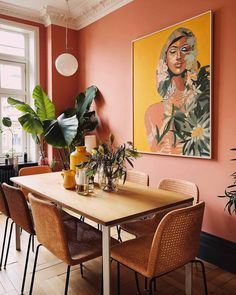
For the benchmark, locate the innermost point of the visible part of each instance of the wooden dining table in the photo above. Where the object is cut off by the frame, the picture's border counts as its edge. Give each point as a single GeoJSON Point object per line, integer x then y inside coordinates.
{"type": "Point", "coordinates": [106, 208]}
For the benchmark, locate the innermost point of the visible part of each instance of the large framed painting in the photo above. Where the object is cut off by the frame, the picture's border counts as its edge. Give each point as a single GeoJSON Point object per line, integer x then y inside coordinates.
{"type": "Point", "coordinates": [172, 89]}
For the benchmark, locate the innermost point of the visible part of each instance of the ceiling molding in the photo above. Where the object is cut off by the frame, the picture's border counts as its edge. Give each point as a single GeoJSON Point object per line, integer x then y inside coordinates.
{"type": "Point", "coordinates": [51, 15]}
{"type": "Point", "coordinates": [96, 11]}
{"type": "Point", "coordinates": [81, 16]}
{"type": "Point", "coordinates": [20, 12]}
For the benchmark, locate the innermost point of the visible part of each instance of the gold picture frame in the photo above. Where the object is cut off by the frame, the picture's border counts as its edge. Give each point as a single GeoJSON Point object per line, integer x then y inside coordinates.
{"type": "Point", "coordinates": [172, 89]}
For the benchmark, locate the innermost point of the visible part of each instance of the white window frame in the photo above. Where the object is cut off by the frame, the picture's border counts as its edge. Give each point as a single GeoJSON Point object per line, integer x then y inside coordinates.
{"type": "Point", "coordinates": [31, 61]}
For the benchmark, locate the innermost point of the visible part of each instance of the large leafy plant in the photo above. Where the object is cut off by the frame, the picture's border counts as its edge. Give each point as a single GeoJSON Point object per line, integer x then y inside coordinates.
{"type": "Point", "coordinates": [62, 132]}
{"type": "Point", "coordinates": [230, 193]}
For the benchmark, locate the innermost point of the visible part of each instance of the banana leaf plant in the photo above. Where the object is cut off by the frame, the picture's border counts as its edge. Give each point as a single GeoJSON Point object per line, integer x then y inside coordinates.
{"type": "Point", "coordinates": [230, 193]}
{"type": "Point", "coordinates": [62, 132]}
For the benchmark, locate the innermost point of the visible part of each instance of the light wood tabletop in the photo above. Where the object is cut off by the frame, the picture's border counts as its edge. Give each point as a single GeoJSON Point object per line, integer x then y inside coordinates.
{"type": "Point", "coordinates": [131, 201]}
{"type": "Point", "coordinates": [107, 208]}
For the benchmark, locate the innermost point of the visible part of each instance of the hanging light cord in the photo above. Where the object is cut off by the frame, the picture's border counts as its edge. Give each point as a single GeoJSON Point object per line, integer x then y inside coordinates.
{"type": "Point", "coordinates": [67, 16]}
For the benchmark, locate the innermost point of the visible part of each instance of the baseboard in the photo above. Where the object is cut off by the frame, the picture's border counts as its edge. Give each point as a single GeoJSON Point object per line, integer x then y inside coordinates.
{"type": "Point", "coordinates": [218, 251]}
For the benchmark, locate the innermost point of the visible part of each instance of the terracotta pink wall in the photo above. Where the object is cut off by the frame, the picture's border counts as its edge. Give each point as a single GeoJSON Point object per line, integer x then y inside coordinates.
{"type": "Point", "coordinates": [105, 60]}
{"type": "Point", "coordinates": [62, 90]}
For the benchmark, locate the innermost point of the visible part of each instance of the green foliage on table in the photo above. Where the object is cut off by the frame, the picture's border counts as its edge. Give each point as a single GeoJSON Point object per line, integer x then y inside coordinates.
{"type": "Point", "coordinates": [111, 158]}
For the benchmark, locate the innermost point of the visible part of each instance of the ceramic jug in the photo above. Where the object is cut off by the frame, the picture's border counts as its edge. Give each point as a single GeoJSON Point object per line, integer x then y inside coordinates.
{"type": "Point", "coordinates": [68, 179]}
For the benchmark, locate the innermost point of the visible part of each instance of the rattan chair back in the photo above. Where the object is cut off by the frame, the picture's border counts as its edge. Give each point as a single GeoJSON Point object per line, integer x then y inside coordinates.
{"type": "Point", "coordinates": [137, 177]}
{"type": "Point", "coordinates": [180, 186]}
{"type": "Point", "coordinates": [176, 240]}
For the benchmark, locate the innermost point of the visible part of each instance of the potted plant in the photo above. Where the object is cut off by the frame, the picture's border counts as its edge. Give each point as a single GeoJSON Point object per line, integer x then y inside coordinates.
{"type": "Point", "coordinates": [110, 162]}
{"type": "Point", "coordinates": [230, 193]}
{"type": "Point", "coordinates": [63, 132]}
{"type": "Point", "coordinates": [6, 121]}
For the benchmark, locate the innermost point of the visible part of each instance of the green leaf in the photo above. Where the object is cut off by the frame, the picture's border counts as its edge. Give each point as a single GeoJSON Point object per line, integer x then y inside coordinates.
{"type": "Point", "coordinates": [6, 121]}
{"type": "Point", "coordinates": [84, 100]}
{"type": "Point", "coordinates": [61, 132]}
{"type": "Point", "coordinates": [31, 124]}
{"type": "Point", "coordinates": [45, 109]}
{"type": "Point", "coordinates": [21, 106]}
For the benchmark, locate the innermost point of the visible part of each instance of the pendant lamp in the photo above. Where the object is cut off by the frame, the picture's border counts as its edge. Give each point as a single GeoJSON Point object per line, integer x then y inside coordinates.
{"type": "Point", "coordinates": [66, 64]}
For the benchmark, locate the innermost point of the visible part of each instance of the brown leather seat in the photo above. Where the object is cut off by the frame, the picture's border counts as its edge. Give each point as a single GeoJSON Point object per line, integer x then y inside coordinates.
{"type": "Point", "coordinates": [148, 226]}
{"type": "Point", "coordinates": [4, 209]}
{"type": "Point", "coordinates": [72, 241]}
{"type": "Point", "coordinates": [20, 214]}
{"type": "Point", "coordinates": [38, 170]}
{"type": "Point", "coordinates": [33, 170]}
{"type": "Point", "coordinates": [174, 244]}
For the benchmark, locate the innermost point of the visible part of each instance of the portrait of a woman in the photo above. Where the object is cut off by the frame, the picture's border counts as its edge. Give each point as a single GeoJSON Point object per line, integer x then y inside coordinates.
{"type": "Point", "coordinates": [180, 123]}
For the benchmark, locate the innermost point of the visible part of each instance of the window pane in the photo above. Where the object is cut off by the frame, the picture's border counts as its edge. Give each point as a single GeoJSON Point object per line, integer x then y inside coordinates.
{"type": "Point", "coordinates": [11, 76]}
{"type": "Point", "coordinates": [17, 133]}
{"type": "Point", "coordinates": [12, 43]}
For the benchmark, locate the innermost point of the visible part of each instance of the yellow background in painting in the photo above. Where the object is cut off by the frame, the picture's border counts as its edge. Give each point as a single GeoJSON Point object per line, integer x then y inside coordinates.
{"type": "Point", "coordinates": [146, 54]}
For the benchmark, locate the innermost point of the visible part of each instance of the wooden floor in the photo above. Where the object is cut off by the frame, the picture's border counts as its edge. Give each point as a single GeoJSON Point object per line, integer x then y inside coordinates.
{"type": "Point", "coordinates": [50, 276]}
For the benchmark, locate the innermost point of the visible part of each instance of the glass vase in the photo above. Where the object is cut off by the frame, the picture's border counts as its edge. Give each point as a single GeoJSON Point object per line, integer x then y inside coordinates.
{"type": "Point", "coordinates": [108, 183]}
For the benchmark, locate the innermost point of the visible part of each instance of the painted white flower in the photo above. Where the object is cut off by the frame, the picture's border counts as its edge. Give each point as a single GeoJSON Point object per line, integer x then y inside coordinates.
{"type": "Point", "coordinates": [162, 71]}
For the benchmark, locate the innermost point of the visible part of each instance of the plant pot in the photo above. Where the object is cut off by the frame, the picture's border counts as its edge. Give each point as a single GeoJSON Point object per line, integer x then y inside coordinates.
{"type": "Point", "coordinates": [43, 161]}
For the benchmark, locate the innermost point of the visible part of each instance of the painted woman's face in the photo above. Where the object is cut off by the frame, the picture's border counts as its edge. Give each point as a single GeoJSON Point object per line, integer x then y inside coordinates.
{"type": "Point", "coordinates": [175, 57]}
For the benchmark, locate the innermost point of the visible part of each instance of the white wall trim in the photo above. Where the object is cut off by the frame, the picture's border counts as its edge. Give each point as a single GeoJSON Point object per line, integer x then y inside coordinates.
{"type": "Point", "coordinates": [81, 16]}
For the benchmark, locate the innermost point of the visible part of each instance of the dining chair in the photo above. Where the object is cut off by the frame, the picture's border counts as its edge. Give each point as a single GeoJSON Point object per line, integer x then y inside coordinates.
{"type": "Point", "coordinates": [135, 177]}
{"type": "Point", "coordinates": [20, 214]}
{"type": "Point", "coordinates": [71, 241]}
{"type": "Point", "coordinates": [174, 244]}
{"type": "Point", "coordinates": [33, 170]}
{"type": "Point", "coordinates": [148, 226]}
{"type": "Point", "coordinates": [5, 211]}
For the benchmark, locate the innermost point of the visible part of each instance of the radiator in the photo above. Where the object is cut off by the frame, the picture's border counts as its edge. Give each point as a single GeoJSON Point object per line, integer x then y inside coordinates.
{"type": "Point", "coordinates": [6, 173]}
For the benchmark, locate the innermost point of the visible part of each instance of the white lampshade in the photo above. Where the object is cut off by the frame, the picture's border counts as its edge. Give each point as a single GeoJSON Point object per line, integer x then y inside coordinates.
{"type": "Point", "coordinates": [66, 64]}
{"type": "Point", "coordinates": [90, 142]}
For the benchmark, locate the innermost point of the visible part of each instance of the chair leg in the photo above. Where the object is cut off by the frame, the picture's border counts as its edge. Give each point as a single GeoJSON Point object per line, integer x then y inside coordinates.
{"type": "Point", "coordinates": [150, 286]}
{"type": "Point", "coordinates": [118, 278]}
{"type": "Point", "coordinates": [33, 243]}
{"type": "Point", "coordinates": [8, 245]}
{"type": "Point", "coordinates": [26, 264]}
{"type": "Point", "coordinates": [34, 269]}
{"type": "Point", "coordinates": [155, 284]}
{"type": "Point", "coordinates": [145, 283]}
{"type": "Point", "coordinates": [81, 270]}
{"type": "Point", "coordinates": [67, 279]}
{"type": "Point", "coordinates": [137, 282]}
{"type": "Point", "coordinates": [204, 275]}
{"type": "Point", "coordinates": [118, 229]}
{"type": "Point", "coordinates": [4, 241]}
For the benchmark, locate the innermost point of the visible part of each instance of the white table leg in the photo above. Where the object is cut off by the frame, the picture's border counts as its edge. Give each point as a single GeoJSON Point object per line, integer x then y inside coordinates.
{"type": "Point", "coordinates": [188, 278]}
{"type": "Point", "coordinates": [17, 238]}
{"type": "Point", "coordinates": [106, 259]}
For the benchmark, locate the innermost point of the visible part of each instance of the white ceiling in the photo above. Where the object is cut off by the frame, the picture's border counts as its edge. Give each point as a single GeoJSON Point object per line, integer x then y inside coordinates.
{"type": "Point", "coordinates": [82, 12]}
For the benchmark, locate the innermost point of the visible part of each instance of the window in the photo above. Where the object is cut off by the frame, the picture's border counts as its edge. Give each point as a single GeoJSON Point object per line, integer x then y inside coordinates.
{"type": "Point", "coordinates": [18, 54]}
